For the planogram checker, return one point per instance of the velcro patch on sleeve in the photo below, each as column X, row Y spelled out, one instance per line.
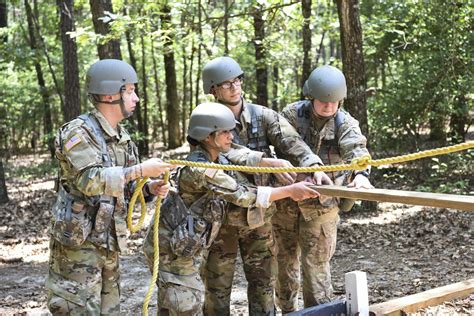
column 73, row 141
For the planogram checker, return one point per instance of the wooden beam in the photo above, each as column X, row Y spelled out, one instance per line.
column 412, row 303
column 460, row 202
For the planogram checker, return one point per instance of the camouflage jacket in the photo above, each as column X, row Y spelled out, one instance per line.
column 336, row 141
column 259, row 127
column 201, row 190
column 85, row 180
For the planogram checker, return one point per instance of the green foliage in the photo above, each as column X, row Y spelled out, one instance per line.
column 451, row 174
column 47, row 168
column 419, row 56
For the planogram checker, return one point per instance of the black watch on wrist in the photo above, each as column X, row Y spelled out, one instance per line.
column 365, row 173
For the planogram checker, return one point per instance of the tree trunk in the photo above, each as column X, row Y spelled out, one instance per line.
column 144, row 139
column 199, row 53
column 261, row 72
column 276, row 79
column 158, row 95
column 3, row 19
column 172, row 104
column 353, row 61
column 47, row 122
column 72, row 95
column 306, row 11
column 3, row 185
column 184, row 101
column 459, row 120
column 111, row 49
column 226, row 27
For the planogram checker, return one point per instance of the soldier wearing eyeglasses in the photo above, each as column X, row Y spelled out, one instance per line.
column 257, row 128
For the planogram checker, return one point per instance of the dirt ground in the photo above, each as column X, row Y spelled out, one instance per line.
column 403, row 249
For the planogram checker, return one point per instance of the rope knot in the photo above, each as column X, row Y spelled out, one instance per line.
column 361, row 163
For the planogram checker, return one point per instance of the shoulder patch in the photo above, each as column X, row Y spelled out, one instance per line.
column 73, row 141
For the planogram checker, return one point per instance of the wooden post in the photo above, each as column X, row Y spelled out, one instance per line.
column 357, row 297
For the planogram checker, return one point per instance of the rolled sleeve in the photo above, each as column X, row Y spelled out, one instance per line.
column 263, row 197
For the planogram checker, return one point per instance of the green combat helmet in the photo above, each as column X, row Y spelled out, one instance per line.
column 219, row 70
column 107, row 76
column 210, row 117
column 326, row 84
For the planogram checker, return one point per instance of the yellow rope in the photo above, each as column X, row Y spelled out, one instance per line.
column 138, row 193
column 156, row 253
column 360, row 163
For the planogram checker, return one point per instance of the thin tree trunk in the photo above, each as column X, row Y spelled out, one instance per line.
column 353, row 61
column 276, row 79
column 199, row 52
column 46, row 53
column 47, row 122
column 261, row 72
column 135, row 120
column 306, row 11
column 3, row 19
column 158, row 95
column 184, row 101
column 3, row 184
column 226, row 27
column 72, row 95
column 111, row 49
column 320, row 50
column 143, row 143
column 459, row 119
column 172, row 104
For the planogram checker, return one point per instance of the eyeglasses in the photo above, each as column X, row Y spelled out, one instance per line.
column 237, row 82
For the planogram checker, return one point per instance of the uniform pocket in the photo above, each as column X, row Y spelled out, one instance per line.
column 327, row 240
column 71, row 224
column 68, row 290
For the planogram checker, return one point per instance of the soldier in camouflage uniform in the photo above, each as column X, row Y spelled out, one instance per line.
column 98, row 163
column 257, row 128
column 308, row 229
column 190, row 219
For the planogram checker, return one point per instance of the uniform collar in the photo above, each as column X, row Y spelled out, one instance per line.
column 118, row 133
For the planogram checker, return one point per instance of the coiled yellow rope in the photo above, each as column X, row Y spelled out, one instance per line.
column 156, row 246
column 360, row 163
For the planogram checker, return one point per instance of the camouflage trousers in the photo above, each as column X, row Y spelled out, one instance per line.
column 217, row 271
column 83, row 281
column 180, row 292
column 175, row 299
column 309, row 243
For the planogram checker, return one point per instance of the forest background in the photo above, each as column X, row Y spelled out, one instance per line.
column 408, row 64
column 409, row 70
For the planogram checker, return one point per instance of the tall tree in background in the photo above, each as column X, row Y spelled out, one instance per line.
column 47, row 122
column 111, row 49
column 353, row 60
column 172, row 104
column 3, row 17
column 144, row 102
column 261, row 73
column 306, row 11
column 72, row 96
column 3, row 185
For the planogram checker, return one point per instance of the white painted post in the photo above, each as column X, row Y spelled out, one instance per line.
column 357, row 297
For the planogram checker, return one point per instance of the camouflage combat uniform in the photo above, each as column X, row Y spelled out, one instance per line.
column 88, row 226
column 259, row 127
column 308, row 229
column 190, row 221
